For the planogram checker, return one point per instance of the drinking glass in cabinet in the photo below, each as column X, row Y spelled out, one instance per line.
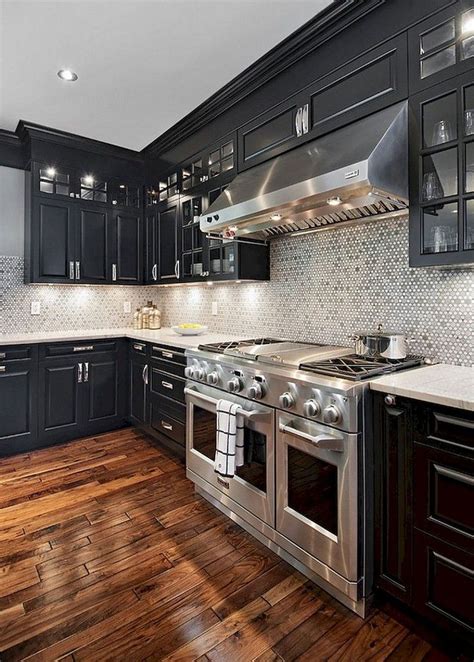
column 439, row 121
column 440, row 174
column 469, row 226
column 469, row 183
column 440, row 228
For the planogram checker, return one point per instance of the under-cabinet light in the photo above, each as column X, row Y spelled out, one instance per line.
column 336, row 200
column 68, row 75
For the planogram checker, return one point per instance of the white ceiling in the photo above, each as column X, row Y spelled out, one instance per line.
column 142, row 64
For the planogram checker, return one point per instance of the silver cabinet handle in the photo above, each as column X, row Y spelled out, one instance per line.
column 167, row 355
column 167, row 426
column 71, row 270
column 145, row 374
column 114, row 272
column 83, row 348
column 3, row 355
column 139, row 348
column 78, row 270
column 167, row 385
column 86, row 372
column 176, row 269
column 298, row 122
column 323, row 441
column 79, row 373
column 154, row 272
column 305, row 118
column 3, row 368
column 390, row 400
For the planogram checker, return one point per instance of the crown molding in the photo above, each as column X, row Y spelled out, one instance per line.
column 11, row 150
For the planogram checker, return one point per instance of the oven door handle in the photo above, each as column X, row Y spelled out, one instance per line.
column 248, row 415
column 326, row 442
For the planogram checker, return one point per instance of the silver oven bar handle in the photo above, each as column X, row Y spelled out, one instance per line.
column 323, row 441
column 212, row 401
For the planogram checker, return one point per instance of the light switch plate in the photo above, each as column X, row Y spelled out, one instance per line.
column 35, row 307
column 214, row 308
column 127, row 307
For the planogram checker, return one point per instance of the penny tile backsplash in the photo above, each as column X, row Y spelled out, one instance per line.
column 323, row 287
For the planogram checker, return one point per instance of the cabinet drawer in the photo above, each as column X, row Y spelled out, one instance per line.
column 79, row 347
column 444, row 583
column 15, row 352
column 444, row 490
column 162, row 383
column 449, row 428
column 165, row 424
column 170, row 354
column 171, row 408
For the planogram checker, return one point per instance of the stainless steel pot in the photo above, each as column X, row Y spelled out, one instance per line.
column 387, row 344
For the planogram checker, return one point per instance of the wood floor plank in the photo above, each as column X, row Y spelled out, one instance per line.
column 106, row 553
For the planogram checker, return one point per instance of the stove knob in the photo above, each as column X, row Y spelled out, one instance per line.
column 287, row 400
column 234, row 385
column 256, row 391
column 189, row 372
column 312, row 408
column 331, row 414
column 200, row 374
column 213, row 378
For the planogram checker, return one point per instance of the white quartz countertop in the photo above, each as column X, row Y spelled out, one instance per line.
column 165, row 336
column 442, row 384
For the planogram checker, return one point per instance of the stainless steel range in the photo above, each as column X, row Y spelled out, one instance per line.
column 303, row 489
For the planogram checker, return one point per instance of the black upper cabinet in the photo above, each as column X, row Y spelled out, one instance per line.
column 442, row 46
column 194, row 244
column 52, row 241
column 126, row 247
column 168, row 224
column 93, row 245
column 442, row 174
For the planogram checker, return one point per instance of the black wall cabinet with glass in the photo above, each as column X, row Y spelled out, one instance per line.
column 442, row 174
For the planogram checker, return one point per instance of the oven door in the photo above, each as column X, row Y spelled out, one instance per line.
column 253, row 486
column 317, row 499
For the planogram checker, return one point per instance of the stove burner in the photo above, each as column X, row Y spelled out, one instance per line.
column 357, row 368
column 220, row 347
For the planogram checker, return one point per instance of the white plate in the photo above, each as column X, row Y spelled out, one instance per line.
column 189, row 332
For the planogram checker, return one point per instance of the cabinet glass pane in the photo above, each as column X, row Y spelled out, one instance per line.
column 467, row 48
column 437, row 37
column 215, row 260
column 187, row 265
column 440, row 175
column 92, row 189
column 227, row 149
column 46, row 187
column 228, row 259
column 187, row 239
column 438, row 62
column 440, row 228
column 469, row 110
column 197, row 237
column 215, row 169
column 228, row 164
column 469, row 226
column 214, row 157
column 53, row 182
column 469, row 183
column 439, row 121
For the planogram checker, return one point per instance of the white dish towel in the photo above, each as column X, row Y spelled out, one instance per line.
column 229, row 438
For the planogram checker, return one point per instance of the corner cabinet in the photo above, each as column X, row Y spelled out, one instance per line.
column 442, row 174
column 82, row 229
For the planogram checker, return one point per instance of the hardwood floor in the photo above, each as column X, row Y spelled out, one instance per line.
column 107, row 554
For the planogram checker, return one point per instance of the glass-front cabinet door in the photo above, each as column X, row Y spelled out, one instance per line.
column 442, row 175
column 194, row 242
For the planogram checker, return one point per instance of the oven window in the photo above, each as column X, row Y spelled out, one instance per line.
column 254, row 470
column 312, row 489
column 204, row 432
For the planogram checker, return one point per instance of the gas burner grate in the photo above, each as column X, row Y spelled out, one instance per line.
column 221, row 347
column 357, row 368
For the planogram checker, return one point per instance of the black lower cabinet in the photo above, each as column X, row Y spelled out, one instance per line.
column 138, row 383
column 105, row 392
column 59, row 401
column 424, row 515
column 18, row 399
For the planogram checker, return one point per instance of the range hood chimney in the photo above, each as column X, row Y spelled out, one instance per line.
column 356, row 173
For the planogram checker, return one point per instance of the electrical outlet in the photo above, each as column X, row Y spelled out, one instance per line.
column 214, row 308
column 35, row 307
column 127, row 307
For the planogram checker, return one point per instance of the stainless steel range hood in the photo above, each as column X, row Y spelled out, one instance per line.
column 362, row 169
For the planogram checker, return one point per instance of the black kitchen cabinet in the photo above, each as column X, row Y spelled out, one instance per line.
column 93, row 253
column 194, row 243
column 82, row 390
column 442, row 46
column 138, row 370
column 393, row 496
column 53, row 242
column 126, row 247
column 18, row 398
column 168, row 226
column 442, row 174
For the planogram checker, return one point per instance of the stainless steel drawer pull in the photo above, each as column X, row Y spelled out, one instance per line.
column 167, row 426
column 3, row 368
column 145, row 374
column 323, row 441
column 86, row 372
column 139, row 348
column 71, row 270
column 167, row 385
column 3, row 355
column 83, row 348
column 79, row 373
column 200, row 397
column 78, row 271
column 114, row 272
column 167, row 355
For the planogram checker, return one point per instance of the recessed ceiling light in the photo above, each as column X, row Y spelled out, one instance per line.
column 67, row 74
column 334, row 201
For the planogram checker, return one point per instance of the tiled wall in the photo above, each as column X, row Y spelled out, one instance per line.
column 323, row 287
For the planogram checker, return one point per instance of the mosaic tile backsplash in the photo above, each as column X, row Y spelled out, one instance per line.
column 323, row 287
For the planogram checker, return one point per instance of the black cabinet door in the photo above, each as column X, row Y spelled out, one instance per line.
column 60, row 406
column 53, row 241
column 104, row 392
column 151, row 246
column 18, row 398
column 138, row 389
column 393, row 489
column 126, row 247
column 168, row 256
column 93, row 245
